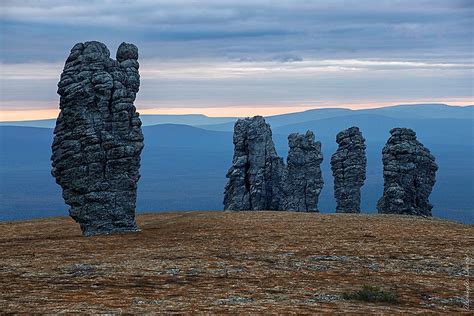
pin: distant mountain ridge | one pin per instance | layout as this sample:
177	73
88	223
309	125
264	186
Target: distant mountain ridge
147	120
434	110
410	111
184	167
376	127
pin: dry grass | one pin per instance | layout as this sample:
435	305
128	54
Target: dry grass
235	262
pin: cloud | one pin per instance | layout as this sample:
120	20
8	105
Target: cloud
195	83
279	66
43	30
247	52
25	71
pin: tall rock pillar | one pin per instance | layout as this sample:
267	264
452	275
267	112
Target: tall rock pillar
260	180
409	171
348	165
256	172
98	137
304	180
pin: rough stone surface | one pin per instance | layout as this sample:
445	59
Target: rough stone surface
304	179
348	165
257	171
98	137
260	180
409	172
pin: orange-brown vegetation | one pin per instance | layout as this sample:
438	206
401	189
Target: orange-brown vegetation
236	262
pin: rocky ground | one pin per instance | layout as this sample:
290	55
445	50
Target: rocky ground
237	262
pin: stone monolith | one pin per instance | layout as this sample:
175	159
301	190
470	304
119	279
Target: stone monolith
304	180
348	165
409	171
98	137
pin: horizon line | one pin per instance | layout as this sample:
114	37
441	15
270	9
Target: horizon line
25	115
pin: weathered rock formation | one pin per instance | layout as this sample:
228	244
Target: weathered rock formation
256	172
409	172
348	165
258	177
98	137
304	181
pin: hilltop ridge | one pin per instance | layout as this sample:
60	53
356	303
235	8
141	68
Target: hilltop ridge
237	262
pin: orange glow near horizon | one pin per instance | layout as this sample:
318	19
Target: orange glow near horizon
27	114
10	115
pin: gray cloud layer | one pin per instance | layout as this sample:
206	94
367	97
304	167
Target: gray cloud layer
219	53
45	30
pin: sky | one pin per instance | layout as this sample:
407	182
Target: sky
241	58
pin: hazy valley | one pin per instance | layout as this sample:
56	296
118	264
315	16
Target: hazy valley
186	158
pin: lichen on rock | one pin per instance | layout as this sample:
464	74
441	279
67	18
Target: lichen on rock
98	138
348	165
409	171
